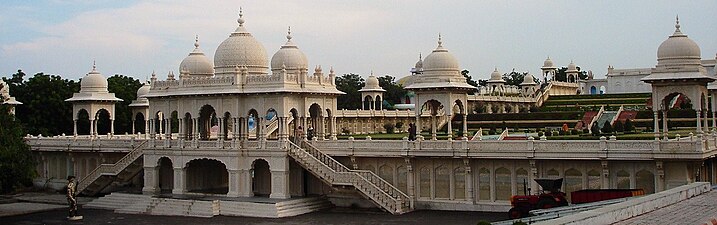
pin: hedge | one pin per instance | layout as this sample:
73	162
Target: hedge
603	96
566	115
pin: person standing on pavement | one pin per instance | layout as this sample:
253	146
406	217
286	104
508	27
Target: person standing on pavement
71	198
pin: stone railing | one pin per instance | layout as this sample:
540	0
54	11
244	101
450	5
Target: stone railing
544	149
344	113
330	170
111	169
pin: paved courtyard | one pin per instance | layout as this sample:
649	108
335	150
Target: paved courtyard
335	216
697	210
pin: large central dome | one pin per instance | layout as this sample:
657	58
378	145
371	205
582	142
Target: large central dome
678	49
240	49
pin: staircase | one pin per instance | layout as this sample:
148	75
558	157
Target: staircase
184	207
270	128
606	116
117	200
102	176
367	183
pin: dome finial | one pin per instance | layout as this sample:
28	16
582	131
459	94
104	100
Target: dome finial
440	40
677	23
196	41
288	34
241	19
420	57
94	65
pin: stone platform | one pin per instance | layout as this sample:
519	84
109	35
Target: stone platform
209	206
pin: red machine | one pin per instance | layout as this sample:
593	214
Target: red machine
553	197
549	198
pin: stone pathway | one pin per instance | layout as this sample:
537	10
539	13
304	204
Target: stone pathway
20	208
698	210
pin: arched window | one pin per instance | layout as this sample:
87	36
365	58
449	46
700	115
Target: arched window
484	184
623	179
459	179
425	183
646	180
522	181
594	180
552	173
443	182
402	179
502	184
573	181
386	173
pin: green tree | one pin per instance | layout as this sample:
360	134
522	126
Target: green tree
394	92
619	127
595	129
16	161
516	78
349	84
629	126
606	128
469	79
44	110
561	75
125	88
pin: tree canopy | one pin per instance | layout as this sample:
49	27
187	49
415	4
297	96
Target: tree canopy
394	92
469	79
44	110
350	84
16	161
561	75
124	88
516	78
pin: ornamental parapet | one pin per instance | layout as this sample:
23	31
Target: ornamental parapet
691	148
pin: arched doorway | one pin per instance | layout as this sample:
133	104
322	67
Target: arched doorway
316	125
228	127
434	108
367	102
253	124
261	178
593	90
174	123
207	122
83	122
104	123
378	104
207	176
166	175
139	123
158	124
188	126
271	124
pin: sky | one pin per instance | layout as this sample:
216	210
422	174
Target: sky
135	37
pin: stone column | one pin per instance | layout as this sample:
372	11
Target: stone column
92	128
151	180
699	121
195	128
180	129
532	176
112	127
605	178
220	132
664	123
245	183
75	127
450	126
233	183
433	127
411	187
418	123
169	128
465	125
133	128
469	180
333	128
656	121
280	179
714	119
659	177
179	180
146	128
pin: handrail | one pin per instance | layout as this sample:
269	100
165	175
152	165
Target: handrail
115	168
503	134
478	135
365	181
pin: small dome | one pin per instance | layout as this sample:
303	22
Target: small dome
240	49
678	49
419	64
572	67
496	76
197	63
4	90
528	79
93	82
440	59
548	63
143	90
289	56
372	82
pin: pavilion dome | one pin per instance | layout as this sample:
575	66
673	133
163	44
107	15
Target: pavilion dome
240	49
419	64
572	67
496	76
440	60
528	79
143	90
289	56
372	82
548	63
94	82
678	49
196	63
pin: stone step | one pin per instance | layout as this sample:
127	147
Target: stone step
116	200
